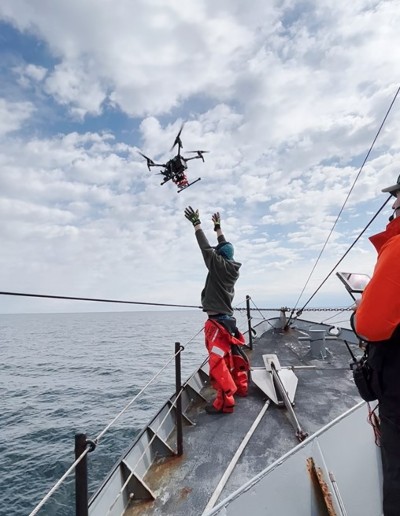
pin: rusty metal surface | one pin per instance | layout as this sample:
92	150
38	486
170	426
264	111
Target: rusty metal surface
321	487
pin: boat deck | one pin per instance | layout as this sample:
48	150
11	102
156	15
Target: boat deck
184	485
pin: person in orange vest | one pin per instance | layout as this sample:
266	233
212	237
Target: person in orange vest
377	321
228	363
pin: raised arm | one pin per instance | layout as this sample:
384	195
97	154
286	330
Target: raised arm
216	218
205	247
194	217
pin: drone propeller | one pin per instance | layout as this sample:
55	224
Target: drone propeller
178	140
199	153
150	162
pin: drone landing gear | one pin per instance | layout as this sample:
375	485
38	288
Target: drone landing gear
189	184
163	183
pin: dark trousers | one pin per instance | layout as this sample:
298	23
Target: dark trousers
384	358
390	451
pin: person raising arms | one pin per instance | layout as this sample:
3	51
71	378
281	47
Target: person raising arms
228	363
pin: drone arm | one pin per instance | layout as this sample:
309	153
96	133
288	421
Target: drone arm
194	157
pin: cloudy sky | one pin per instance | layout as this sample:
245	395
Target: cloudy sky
287	96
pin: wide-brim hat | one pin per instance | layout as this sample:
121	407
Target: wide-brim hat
394	188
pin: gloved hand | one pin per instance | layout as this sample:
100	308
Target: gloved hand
217	221
192	215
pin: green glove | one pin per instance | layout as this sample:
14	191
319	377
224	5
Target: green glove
192	215
217	221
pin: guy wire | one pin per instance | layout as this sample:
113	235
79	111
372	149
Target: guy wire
342	208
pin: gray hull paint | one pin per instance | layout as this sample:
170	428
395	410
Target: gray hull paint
347	460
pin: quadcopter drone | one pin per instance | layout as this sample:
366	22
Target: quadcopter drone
174	169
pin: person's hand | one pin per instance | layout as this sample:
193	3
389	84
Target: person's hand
216	218
192	215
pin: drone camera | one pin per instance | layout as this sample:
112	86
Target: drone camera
178	165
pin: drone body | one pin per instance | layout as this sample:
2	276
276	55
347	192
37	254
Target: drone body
175	168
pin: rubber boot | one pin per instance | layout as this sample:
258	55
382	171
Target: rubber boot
224	402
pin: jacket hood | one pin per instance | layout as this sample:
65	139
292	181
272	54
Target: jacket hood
392	229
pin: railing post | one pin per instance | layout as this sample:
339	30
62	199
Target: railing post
81	480
249	322
178	398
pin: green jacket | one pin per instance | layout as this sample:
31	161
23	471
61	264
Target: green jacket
218	292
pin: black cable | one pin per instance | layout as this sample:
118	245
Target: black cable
256	308
339	313
71	298
99	300
345	254
345	202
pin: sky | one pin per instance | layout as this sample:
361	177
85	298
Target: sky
287	97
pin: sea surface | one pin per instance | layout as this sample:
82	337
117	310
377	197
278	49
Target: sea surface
63	374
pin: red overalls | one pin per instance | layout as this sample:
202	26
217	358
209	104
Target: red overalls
228	368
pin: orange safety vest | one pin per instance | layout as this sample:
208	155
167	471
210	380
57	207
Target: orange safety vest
378	313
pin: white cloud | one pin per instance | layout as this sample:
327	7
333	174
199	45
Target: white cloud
13	115
148	55
76	87
286	97
29	74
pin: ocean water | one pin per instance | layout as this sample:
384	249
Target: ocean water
63	374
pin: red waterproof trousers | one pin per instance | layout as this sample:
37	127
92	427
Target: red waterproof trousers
228	368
